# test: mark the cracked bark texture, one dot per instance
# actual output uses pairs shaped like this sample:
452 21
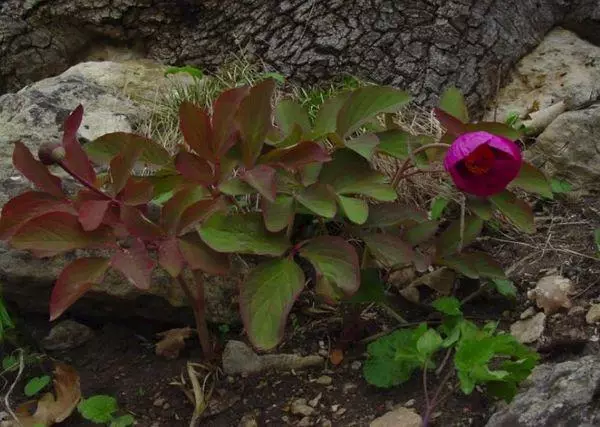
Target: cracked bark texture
419 45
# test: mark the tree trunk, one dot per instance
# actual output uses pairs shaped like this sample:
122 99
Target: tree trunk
419 45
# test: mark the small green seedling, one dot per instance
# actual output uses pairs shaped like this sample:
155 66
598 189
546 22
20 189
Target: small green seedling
101 409
36 384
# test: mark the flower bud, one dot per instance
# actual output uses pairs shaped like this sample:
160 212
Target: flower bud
49 153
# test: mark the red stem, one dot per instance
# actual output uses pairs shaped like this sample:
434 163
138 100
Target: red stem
198 306
399 173
83 182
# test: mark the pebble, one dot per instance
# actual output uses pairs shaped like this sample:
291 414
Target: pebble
529 330
356 365
299 407
66 335
593 314
305 422
410 403
326 423
159 402
340 412
530 312
400 417
334 408
348 387
248 420
314 402
324 380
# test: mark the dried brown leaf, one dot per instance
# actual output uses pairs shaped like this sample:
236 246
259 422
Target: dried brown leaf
172 342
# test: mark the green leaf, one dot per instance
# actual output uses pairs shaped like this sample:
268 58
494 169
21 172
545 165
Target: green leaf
383 368
438 205
10 363
505 287
428 344
517 211
289 113
123 421
372 288
336 260
262 179
448 305
386 215
449 241
533 180
560 186
364 145
363 179
389 250
326 120
475 265
366 103
319 199
356 210
421 233
98 409
254 117
266 299
236 187
200 257
187 69
278 215
278 77
395 143
481 207
241 233
104 148
36 384
452 102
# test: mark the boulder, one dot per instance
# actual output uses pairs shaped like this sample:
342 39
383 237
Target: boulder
557 394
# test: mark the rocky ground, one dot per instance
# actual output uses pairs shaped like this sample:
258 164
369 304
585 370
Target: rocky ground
555 270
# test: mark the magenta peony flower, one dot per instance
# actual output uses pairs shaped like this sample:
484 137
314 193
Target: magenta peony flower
482 164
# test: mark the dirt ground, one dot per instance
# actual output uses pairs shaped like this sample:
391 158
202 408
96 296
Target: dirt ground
120 359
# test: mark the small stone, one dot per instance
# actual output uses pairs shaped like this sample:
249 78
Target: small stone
159 402
400 417
326 423
299 407
66 335
530 312
166 406
355 366
551 293
304 422
314 402
324 380
348 387
340 412
248 420
529 330
593 314
410 403
334 408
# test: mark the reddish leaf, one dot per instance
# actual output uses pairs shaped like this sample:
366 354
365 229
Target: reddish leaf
104 148
200 211
139 225
57 232
224 111
262 179
173 209
91 213
298 156
278 214
389 250
200 257
121 166
26 206
135 264
75 158
254 117
196 128
170 258
74 281
35 171
194 168
453 125
137 192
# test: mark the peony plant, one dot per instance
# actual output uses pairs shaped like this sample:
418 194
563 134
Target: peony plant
266 181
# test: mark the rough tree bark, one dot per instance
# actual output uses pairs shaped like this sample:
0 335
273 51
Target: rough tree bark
420 45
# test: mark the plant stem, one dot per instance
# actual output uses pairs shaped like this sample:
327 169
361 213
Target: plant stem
431 404
84 182
197 302
399 173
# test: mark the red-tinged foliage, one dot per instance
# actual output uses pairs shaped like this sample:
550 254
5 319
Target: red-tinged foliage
199 212
200 257
298 156
92 212
139 225
196 129
35 171
223 123
74 281
136 192
121 166
57 232
135 263
26 206
170 258
262 179
75 158
453 126
175 207
194 168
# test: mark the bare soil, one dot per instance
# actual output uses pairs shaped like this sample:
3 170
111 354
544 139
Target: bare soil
120 359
